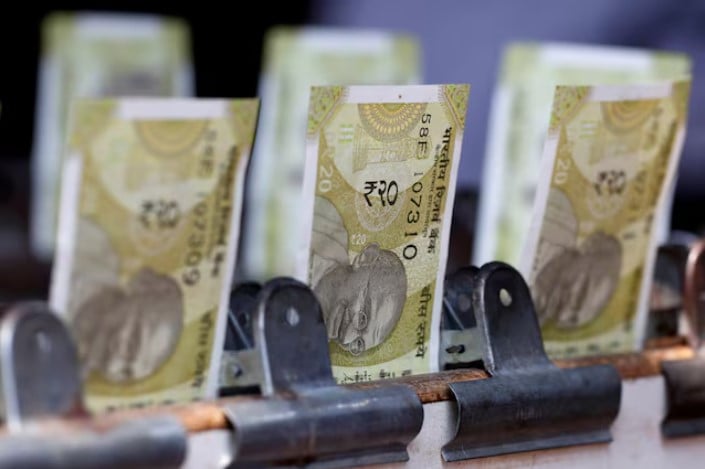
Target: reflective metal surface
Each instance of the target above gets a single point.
(461, 342)
(155, 443)
(685, 379)
(240, 370)
(39, 370)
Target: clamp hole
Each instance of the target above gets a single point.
(505, 298)
(292, 317)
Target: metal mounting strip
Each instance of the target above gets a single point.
(305, 419)
(527, 403)
(153, 443)
(685, 379)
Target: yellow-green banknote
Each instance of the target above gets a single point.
(93, 55)
(519, 122)
(381, 167)
(149, 224)
(294, 60)
(610, 154)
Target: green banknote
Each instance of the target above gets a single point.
(519, 122)
(381, 167)
(148, 231)
(294, 60)
(91, 55)
(611, 153)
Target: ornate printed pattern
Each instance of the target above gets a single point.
(90, 117)
(322, 105)
(170, 137)
(389, 121)
(456, 98)
(622, 117)
(566, 103)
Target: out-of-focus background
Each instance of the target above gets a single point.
(461, 41)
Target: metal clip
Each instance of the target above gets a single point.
(239, 365)
(305, 419)
(527, 403)
(40, 377)
(460, 336)
(667, 287)
(685, 379)
(38, 366)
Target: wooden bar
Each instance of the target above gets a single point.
(434, 387)
(204, 416)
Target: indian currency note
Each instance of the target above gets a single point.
(610, 155)
(90, 55)
(294, 60)
(518, 127)
(149, 225)
(381, 168)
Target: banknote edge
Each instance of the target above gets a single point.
(255, 261)
(66, 230)
(211, 388)
(434, 340)
(490, 208)
(660, 212)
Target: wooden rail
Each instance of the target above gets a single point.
(433, 387)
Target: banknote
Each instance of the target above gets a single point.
(519, 122)
(294, 60)
(149, 224)
(610, 154)
(381, 168)
(93, 55)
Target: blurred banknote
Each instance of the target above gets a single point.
(94, 55)
(610, 155)
(381, 167)
(148, 230)
(519, 122)
(294, 60)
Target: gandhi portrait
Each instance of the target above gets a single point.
(574, 281)
(123, 332)
(361, 300)
(575, 286)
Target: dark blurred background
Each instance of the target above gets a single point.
(226, 50)
(461, 41)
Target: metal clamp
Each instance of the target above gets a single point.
(240, 371)
(460, 336)
(39, 377)
(38, 366)
(685, 379)
(527, 403)
(305, 419)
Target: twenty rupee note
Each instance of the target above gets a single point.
(148, 232)
(379, 184)
(611, 152)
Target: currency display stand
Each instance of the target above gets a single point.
(516, 410)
